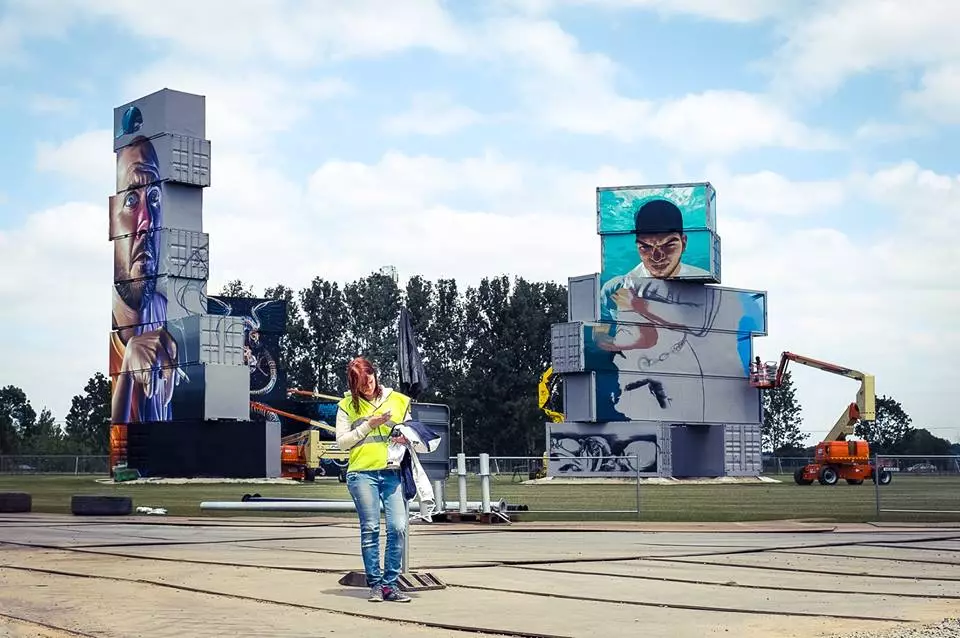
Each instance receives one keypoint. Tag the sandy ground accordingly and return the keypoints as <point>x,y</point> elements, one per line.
<point>225,576</point>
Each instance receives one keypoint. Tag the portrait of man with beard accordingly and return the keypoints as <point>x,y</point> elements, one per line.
<point>143,354</point>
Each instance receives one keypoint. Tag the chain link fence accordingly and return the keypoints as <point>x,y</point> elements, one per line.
<point>922,486</point>
<point>776,465</point>
<point>54,464</point>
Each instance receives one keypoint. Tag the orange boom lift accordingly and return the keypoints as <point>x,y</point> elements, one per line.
<point>835,457</point>
<point>301,453</point>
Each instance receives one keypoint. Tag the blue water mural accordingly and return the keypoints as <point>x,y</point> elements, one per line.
<point>617,206</point>
<point>665,232</point>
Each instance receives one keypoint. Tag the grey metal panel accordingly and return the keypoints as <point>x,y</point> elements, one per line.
<point>583,298</point>
<point>742,452</point>
<point>190,160</point>
<point>431,413</point>
<point>208,339</point>
<point>579,397</point>
<point>637,397</point>
<point>221,340</point>
<point>181,159</point>
<point>436,416</point>
<point>717,263</point>
<point>180,253</point>
<point>566,347</point>
<point>173,298</point>
<point>186,253</point>
<point>690,304</point>
<point>226,393</point>
<point>571,446</point>
<point>165,111</point>
<point>665,466</point>
<point>647,348</point>
<point>272,449</point>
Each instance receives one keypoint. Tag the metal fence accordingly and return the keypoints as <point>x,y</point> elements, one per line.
<point>776,465</point>
<point>921,486</point>
<point>512,482</point>
<point>54,464</point>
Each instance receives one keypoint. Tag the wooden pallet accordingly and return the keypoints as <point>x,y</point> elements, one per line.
<point>470,517</point>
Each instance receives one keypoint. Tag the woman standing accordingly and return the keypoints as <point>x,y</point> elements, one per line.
<point>365,418</point>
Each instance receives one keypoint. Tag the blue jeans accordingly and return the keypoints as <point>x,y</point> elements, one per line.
<point>368,489</point>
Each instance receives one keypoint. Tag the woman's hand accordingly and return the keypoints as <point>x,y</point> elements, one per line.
<point>379,420</point>
<point>400,439</point>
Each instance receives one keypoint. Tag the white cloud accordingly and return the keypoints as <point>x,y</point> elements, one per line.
<point>244,109</point>
<point>837,40</point>
<point>737,11</point>
<point>55,275</point>
<point>883,302</point>
<point>566,88</point>
<point>871,302</point>
<point>721,122</point>
<point>87,159</point>
<point>889,132</point>
<point>52,104</point>
<point>562,86</point>
<point>766,193</point>
<point>431,113</point>
<point>290,32</point>
<point>938,97</point>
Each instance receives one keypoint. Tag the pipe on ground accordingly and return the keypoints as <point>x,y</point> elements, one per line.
<point>329,506</point>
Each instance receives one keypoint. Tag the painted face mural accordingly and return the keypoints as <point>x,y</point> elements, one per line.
<point>663,232</point>
<point>143,354</point>
<point>135,214</point>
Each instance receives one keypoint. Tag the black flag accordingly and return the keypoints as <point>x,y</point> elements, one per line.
<point>413,376</point>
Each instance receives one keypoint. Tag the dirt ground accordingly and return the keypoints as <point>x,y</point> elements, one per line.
<point>136,576</point>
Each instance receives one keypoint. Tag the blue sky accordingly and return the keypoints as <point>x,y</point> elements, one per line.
<point>827,129</point>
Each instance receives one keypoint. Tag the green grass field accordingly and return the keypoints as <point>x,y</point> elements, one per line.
<point>690,503</point>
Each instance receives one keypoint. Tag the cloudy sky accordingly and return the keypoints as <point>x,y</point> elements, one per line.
<point>470,136</point>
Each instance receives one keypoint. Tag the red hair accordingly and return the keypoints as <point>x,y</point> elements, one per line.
<point>357,372</point>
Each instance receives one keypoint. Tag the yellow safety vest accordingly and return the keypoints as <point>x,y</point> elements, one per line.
<point>371,452</point>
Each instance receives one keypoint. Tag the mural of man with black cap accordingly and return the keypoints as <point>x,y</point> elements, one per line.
<point>661,242</point>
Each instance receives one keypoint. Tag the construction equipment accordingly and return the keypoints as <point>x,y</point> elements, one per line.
<point>547,384</point>
<point>302,454</point>
<point>835,457</point>
<point>545,390</point>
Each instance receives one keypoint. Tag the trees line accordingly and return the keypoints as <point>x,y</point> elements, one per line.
<point>484,349</point>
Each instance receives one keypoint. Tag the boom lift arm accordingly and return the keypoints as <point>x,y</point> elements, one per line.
<point>770,375</point>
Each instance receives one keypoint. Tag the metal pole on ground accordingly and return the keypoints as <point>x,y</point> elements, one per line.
<point>405,565</point>
<point>876,481</point>
<point>638,486</point>
<point>462,481</point>
<point>485,482</point>
<point>440,499</point>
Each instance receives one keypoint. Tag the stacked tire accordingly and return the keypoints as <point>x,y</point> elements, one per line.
<point>15,502</point>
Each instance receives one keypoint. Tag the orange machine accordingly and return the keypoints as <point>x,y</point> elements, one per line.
<point>835,457</point>
<point>301,453</point>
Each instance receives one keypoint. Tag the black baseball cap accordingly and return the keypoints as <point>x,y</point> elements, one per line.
<point>659,216</point>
